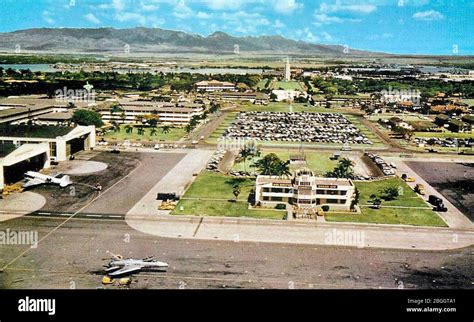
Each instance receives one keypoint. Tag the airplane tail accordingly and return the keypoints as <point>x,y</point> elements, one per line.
<point>65,181</point>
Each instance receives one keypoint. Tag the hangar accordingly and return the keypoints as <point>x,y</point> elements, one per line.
<point>63,141</point>
<point>15,161</point>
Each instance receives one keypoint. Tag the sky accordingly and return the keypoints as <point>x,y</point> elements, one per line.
<point>438,27</point>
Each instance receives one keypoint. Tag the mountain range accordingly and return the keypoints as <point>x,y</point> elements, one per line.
<point>156,40</point>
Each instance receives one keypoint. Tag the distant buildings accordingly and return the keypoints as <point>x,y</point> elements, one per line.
<point>214,85</point>
<point>24,109</point>
<point>254,97</point>
<point>304,190</point>
<point>285,94</point>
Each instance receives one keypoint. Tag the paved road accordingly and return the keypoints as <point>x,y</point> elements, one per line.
<point>296,232</point>
<point>123,196</point>
<point>73,255</point>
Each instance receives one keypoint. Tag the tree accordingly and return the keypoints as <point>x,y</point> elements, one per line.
<point>236,191</point>
<point>153,131</point>
<point>166,129</point>
<point>153,122</point>
<point>86,117</point>
<point>390,193</point>
<point>375,201</point>
<point>342,170</point>
<point>128,129</point>
<point>271,164</point>
<point>140,131</point>
<point>355,199</point>
<point>245,153</point>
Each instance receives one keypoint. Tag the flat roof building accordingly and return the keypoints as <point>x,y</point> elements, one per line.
<point>168,113</point>
<point>214,85</point>
<point>15,161</point>
<point>63,141</point>
<point>304,190</point>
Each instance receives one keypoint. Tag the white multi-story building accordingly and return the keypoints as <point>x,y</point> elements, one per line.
<point>305,190</point>
<point>167,113</point>
<point>214,85</point>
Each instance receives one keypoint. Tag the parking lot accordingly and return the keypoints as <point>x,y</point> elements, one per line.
<point>296,127</point>
<point>453,180</point>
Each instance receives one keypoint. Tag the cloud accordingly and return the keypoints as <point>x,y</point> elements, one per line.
<point>146,6</point>
<point>243,22</point>
<point>91,18</point>
<point>428,15</point>
<point>338,7</point>
<point>223,4</point>
<point>203,15</point>
<point>306,35</point>
<point>182,11</point>
<point>286,6</point>
<point>117,5</point>
<point>278,24</point>
<point>380,36</point>
<point>131,16</point>
<point>324,19</point>
<point>46,15</point>
<point>326,36</point>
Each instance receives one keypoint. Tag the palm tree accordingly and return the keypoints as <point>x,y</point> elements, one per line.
<point>123,117</point>
<point>236,191</point>
<point>128,129</point>
<point>116,126</point>
<point>282,169</point>
<point>245,153</point>
<point>166,129</point>
<point>153,131</point>
<point>141,131</point>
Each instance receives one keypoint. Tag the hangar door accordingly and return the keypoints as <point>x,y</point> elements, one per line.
<point>75,145</point>
<point>15,172</point>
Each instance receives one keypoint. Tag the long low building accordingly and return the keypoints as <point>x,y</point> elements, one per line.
<point>15,161</point>
<point>304,190</point>
<point>255,97</point>
<point>16,110</point>
<point>63,141</point>
<point>168,113</point>
<point>214,85</point>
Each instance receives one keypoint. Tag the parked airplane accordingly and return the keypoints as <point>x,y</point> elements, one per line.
<point>130,265</point>
<point>35,178</point>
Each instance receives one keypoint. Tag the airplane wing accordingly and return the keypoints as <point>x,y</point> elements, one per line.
<point>126,270</point>
<point>32,182</point>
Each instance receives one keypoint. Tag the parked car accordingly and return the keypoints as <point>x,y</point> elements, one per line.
<point>419,188</point>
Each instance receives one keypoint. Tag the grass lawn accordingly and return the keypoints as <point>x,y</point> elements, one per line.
<point>219,131</point>
<point>211,185</point>
<point>356,120</point>
<point>319,162</point>
<point>174,134</point>
<point>284,107</point>
<point>290,85</point>
<point>414,216</point>
<point>445,134</point>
